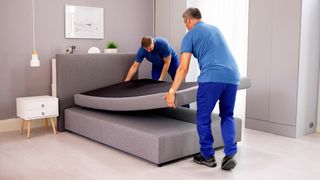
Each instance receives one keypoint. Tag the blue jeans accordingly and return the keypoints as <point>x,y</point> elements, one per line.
<point>207,97</point>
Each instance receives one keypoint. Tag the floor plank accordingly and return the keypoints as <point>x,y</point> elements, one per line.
<point>68,156</point>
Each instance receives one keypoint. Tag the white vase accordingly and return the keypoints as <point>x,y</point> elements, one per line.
<point>110,51</point>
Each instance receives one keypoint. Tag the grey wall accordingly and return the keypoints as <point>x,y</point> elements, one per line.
<point>169,21</point>
<point>125,22</point>
<point>168,24</point>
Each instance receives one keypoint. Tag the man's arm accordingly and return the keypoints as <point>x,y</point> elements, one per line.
<point>132,71</point>
<point>180,75</point>
<point>165,68</point>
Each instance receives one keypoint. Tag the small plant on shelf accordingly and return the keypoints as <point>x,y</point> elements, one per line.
<point>111,47</point>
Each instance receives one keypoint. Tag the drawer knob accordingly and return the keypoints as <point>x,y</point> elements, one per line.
<point>42,113</point>
<point>42,105</point>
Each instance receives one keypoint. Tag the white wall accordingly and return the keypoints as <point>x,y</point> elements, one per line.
<point>317,51</point>
<point>308,66</point>
<point>318,123</point>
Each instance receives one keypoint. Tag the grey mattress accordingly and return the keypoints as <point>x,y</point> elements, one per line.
<point>140,94</point>
<point>135,95</point>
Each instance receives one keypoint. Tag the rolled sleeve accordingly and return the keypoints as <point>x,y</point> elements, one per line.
<point>140,55</point>
<point>165,50</point>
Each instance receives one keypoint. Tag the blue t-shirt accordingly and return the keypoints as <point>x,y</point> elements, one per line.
<point>216,62</point>
<point>162,49</point>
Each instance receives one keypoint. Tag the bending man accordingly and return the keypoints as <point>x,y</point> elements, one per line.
<point>159,52</point>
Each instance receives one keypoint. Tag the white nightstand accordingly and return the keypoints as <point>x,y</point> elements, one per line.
<point>37,107</point>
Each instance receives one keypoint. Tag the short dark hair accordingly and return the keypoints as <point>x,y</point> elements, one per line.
<point>146,41</point>
<point>192,13</point>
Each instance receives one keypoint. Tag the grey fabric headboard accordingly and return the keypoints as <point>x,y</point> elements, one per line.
<point>81,73</point>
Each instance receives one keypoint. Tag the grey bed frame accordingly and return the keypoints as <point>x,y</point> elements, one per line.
<point>159,136</point>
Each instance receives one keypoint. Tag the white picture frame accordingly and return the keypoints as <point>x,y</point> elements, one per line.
<point>84,22</point>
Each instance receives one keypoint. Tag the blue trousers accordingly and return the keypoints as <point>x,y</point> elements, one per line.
<point>207,97</point>
<point>156,70</point>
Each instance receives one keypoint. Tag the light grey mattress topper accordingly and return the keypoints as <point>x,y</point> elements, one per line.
<point>140,94</point>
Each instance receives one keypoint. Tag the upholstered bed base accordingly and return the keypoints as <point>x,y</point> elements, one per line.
<point>157,136</point>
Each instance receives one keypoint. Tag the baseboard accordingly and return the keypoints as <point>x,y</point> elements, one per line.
<point>14,124</point>
<point>279,129</point>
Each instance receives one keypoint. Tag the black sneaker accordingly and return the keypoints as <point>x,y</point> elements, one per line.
<point>199,159</point>
<point>228,163</point>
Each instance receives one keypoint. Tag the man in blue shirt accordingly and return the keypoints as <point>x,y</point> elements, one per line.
<point>218,80</point>
<point>159,52</point>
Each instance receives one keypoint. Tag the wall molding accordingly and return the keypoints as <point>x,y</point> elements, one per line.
<point>14,124</point>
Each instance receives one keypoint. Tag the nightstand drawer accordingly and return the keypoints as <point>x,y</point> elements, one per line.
<point>42,105</point>
<point>34,114</point>
<point>29,108</point>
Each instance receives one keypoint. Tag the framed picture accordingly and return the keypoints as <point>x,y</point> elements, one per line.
<point>84,22</point>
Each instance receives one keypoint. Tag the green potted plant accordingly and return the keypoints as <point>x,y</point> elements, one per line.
<point>111,47</point>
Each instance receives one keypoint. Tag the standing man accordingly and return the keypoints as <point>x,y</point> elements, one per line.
<point>159,52</point>
<point>218,80</point>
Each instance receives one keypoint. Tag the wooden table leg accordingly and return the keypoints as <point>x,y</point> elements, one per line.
<point>46,121</point>
<point>22,126</point>
<point>53,126</point>
<point>29,124</point>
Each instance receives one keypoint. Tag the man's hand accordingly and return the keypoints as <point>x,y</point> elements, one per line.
<point>166,65</point>
<point>170,98</point>
<point>181,73</point>
<point>132,71</point>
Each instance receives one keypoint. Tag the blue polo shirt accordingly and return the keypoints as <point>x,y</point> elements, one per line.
<point>161,50</point>
<point>216,62</point>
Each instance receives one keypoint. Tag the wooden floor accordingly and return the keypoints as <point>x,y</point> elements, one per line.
<point>261,156</point>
